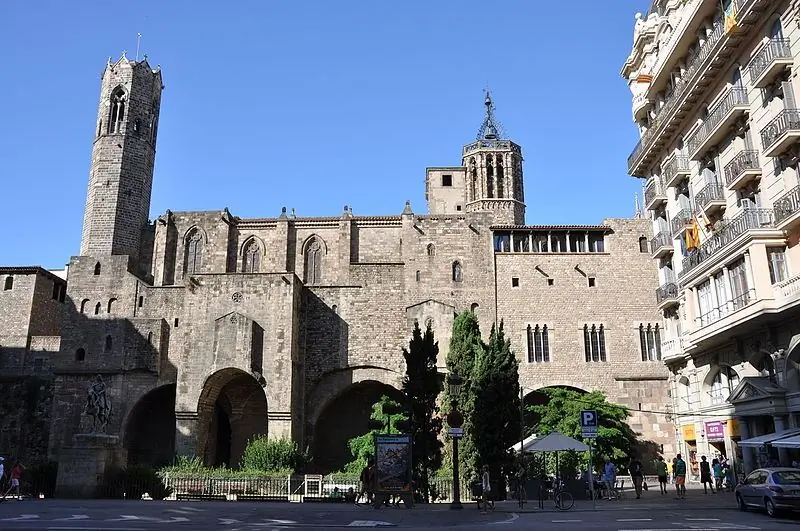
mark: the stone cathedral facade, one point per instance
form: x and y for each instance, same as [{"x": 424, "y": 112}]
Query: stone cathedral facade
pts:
[{"x": 209, "y": 329}]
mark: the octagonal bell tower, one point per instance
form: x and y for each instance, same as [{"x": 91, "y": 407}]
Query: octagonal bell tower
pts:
[{"x": 494, "y": 173}]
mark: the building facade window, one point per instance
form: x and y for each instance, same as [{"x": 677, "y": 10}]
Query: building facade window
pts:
[
  {"x": 252, "y": 257},
  {"x": 457, "y": 273},
  {"x": 111, "y": 304},
  {"x": 723, "y": 383},
  {"x": 417, "y": 275},
  {"x": 740, "y": 292},
  {"x": 431, "y": 250},
  {"x": 8, "y": 285},
  {"x": 313, "y": 262},
  {"x": 97, "y": 268},
  {"x": 644, "y": 246},
  {"x": 117, "y": 114},
  {"x": 776, "y": 257},
  {"x": 705, "y": 303},
  {"x": 194, "y": 252},
  {"x": 594, "y": 343},
  {"x": 97, "y": 308},
  {"x": 650, "y": 342},
  {"x": 84, "y": 302},
  {"x": 80, "y": 354},
  {"x": 538, "y": 344}
]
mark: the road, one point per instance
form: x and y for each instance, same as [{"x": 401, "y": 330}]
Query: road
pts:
[{"x": 113, "y": 515}]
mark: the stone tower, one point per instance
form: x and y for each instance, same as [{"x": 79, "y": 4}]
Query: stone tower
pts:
[
  {"x": 121, "y": 173},
  {"x": 494, "y": 173}
]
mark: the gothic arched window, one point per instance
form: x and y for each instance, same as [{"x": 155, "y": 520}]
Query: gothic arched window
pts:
[
  {"x": 500, "y": 177},
  {"x": 111, "y": 304},
  {"x": 473, "y": 179},
  {"x": 313, "y": 259},
  {"x": 84, "y": 302},
  {"x": 194, "y": 252},
  {"x": 457, "y": 271},
  {"x": 117, "y": 114},
  {"x": 644, "y": 246},
  {"x": 97, "y": 268},
  {"x": 594, "y": 343},
  {"x": 97, "y": 308},
  {"x": 489, "y": 176},
  {"x": 252, "y": 257},
  {"x": 431, "y": 250}
]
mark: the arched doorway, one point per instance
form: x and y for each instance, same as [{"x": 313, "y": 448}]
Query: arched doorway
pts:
[
  {"x": 342, "y": 419},
  {"x": 539, "y": 397},
  {"x": 150, "y": 428},
  {"x": 232, "y": 410}
]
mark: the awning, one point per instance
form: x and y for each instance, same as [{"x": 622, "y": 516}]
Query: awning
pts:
[
  {"x": 788, "y": 442},
  {"x": 770, "y": 438},
  {"x": 552, "y": 442}
]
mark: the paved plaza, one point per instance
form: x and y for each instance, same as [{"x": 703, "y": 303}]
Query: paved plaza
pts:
[{"x": 651, "y": 513}]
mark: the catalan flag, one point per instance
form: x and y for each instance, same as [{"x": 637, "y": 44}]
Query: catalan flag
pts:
[
  {"x": 692, "y": 235},
  {"x": 730, "y": 16}
]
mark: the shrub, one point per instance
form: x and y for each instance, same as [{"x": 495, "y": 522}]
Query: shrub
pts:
[{"x": 274, "y": 455}]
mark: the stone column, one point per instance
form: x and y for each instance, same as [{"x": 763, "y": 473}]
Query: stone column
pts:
[
  {"x": 569, "y": 245},
  {"x": 549, "y": 242},
  {"x": 748, "y": 269},
  {"x": 748, "y": 459},
  {"x": 783, "y": 453},
  {"x": 186, "y": 433},
  {"x": 586, "y": 242},
  {"x": 714, "y": 298}
]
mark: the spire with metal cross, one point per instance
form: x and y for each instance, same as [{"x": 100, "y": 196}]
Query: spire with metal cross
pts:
[{"x": 490, "y": 128}]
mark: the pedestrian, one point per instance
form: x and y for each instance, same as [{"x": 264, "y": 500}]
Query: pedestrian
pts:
[
  {"x": 716, "y": 469},
  {"x": 679, "y": 471},
  {"x": 661, "y": 470},
  {"x": 16, "y": 475},
  {"x": 637, "y": 475},
  {"x": 486, "y": 490},
  {"x": 609, "y": 477},
  {"x": 705, "y": 475}
]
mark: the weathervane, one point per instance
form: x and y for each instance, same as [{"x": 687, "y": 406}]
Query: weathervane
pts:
[{"x": 490, "y": 128}]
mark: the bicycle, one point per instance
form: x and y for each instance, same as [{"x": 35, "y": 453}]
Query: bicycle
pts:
[{"x": 562, "y": 500}]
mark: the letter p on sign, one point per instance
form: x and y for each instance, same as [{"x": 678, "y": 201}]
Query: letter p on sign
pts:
[{"x": 589, "y": 423}]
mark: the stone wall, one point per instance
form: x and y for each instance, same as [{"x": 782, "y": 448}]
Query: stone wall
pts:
[{"x": 25, "y": 409}]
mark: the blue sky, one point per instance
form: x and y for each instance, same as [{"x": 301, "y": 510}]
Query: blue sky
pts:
[{"x": 313, "y": 105}]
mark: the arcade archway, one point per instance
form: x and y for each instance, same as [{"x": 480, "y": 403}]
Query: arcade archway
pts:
[
  {"x": 150, "y": 428},
  {"x": 540, "y": 397},
  {"x": 343, "y": 418},
  {"x": 232, "y": 410}
]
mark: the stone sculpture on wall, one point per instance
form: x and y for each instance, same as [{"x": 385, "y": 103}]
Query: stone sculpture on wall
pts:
[{"x": 98, "y": 405}]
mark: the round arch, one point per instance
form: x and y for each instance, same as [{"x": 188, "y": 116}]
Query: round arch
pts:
[
  {"x": 535, "y": 397},
  {"x": 330, "y": 435},
  {"x": 232, "y": 409},
  {"x": 149, "y": 428}
]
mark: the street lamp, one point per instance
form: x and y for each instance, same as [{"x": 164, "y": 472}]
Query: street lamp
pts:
[{"x": 455, "y": 420}]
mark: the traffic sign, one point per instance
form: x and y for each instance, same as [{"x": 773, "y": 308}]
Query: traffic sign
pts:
[
  {"x": 589, "y": 423},
  {"x": 456, "y": 433}
]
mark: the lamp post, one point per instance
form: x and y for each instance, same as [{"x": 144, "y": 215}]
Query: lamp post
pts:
[{"x": 455, "y": 420}]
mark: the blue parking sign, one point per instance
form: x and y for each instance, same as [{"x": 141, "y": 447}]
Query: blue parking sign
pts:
[{"x": 589, "y": 423}]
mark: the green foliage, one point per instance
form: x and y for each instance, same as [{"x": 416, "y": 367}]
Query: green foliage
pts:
[
  {"x": 421, "y": 387},
  {"x": 562, "y": 413},
  {"x": 362, "y": 448},
  {"x": 193, "y": 467},
  {"x": 495, "y": 404},
  {"x": 465, "y": 347},
  {"x": 263, "y": 454}
]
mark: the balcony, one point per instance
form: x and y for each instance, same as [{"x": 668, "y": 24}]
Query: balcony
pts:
[
  {"x": 781, "y": 132},
  {"x": 661, "y": 245},
  {"x": 667, "y": 295},
  {"x": 787, "y": 209},
  {"x": 702, "y": 70},
  {"x": 640, "y": 106},
  {"x": 654, "y": 195},
  {"x": 742, "y": 169},
  {"x": 730, "y": 237},
  {"x": 676, "y": 170},
  {"x": 671, "y": 348},
  {"x": 678, "y": 223},
  {"x": 787, "y": 290},
  {"x": 769, "y": 61},
  {"x": 733, "y": 105},
  {"x": 710, "y": 199}
]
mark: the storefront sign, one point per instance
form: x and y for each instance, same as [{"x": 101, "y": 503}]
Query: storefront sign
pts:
[
  {"x": 688, "y": 432},
  {"x": 715, "y": 430}
]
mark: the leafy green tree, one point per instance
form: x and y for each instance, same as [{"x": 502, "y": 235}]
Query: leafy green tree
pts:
[
  {"x": 561, "y": 413},
  {"x": 496, "y": 404},
  {"x": 263, "y": 454},
  {"x": 465, "y": 347},
  {"x": 362, "y": 448},
  {"x": 421, "y": 387}
]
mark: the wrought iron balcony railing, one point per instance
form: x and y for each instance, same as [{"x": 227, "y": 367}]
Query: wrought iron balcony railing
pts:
[
  {"x": 774, "y": 50},
  {"x": 755, "y": 218},
  {"x": 667, "y": 292},
  {"x": 660, "y": 240},
  {"x": 678, "y": 223},
  {"x": 736, "y": 96},
  {"x": 709, "y": 193},
  {"x": 787, "y": 204},
  {"x": 678, "y": 164},
  {"x": 743, "y": 161},
  {"x": 784, "y": 121},
  {"x": 654, "y": 190}
]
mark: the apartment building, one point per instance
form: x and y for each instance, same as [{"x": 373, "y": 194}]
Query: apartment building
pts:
[{"x": 715, "y": 98}]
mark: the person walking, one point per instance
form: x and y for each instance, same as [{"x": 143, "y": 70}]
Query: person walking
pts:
[
  {"x": 679, "y": 471},
  {"x": 609, "y": 477},
  {"x": 15, "y": 475},
  {"x": 716, "y": 470},
  {"x": 661, "y": 471},
  {"x": 486, "y": 490},
  {"x": 637, "y": 475},
  {"x": 705, "y": 475}
]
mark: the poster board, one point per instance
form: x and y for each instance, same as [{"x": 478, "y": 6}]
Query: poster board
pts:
[{"x": 393, "y": 468}]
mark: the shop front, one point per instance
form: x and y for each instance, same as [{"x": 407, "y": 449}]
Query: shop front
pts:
[{"x": 689, "y": 436}]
